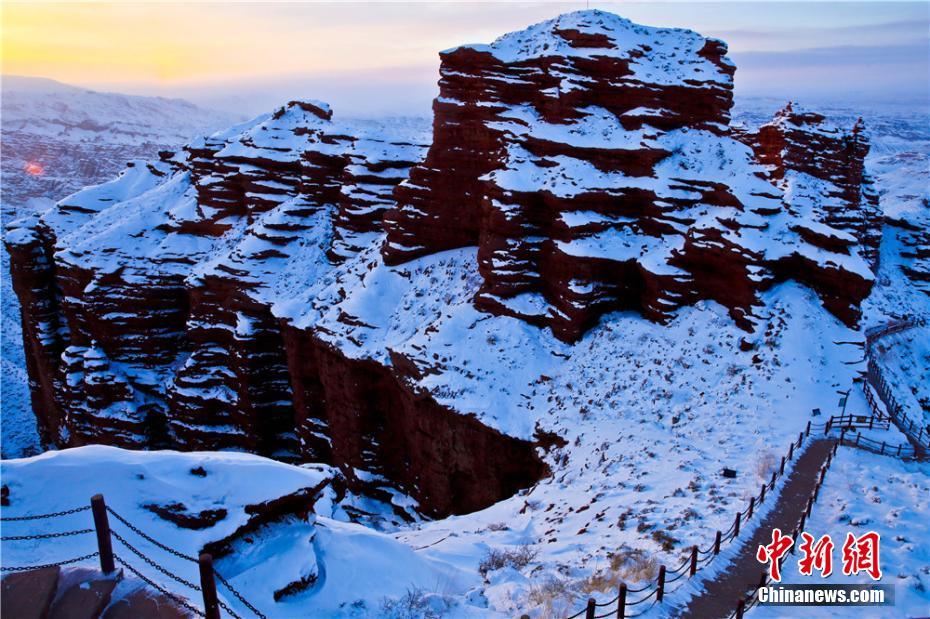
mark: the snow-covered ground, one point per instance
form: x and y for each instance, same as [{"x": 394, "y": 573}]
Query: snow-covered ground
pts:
[
  {"x": 637, "y": 484},
  {"x": 352, "y": 569}
]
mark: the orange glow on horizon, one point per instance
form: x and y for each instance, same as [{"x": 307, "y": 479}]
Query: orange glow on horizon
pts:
[{"x": 34, "y": 169}]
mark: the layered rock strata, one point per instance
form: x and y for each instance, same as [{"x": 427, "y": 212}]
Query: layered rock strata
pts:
[
  {"x": 293, "y": 286},
  {"x": 593, "y": 165}
]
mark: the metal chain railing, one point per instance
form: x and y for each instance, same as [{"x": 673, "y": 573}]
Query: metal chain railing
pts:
[
  {"x": 152, "y": 563},
  {"x": 27, "y": 568},
  {"x": 149, "y": 539},
  {"x": 44, "y": 516},
  {"x": 108, "y": 559},
  {"x": 176, "y": 598},
  {"x": 19, "y": 538},
  {"x": 239, "y": 597}
]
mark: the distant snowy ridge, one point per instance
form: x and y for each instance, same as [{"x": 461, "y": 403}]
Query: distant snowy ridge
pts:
[{"x": 44, "y": 107}]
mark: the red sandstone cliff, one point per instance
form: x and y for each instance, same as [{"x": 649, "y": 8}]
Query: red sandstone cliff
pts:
[
  {"x": 590, "y": 159},
  {"x": 290, "y": 286}
]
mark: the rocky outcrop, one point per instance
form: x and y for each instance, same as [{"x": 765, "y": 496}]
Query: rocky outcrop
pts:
[
  {"x": 292, "y": 286},
  {"x": 798, "y": 146},
  {"x": 591, "y": 161}
]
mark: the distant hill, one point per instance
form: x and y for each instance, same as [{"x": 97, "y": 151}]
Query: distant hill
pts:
[{"x": 58, "y": 138}]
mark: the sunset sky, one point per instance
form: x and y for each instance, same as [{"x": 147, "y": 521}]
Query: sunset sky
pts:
[{"x": 368, "y": 58}]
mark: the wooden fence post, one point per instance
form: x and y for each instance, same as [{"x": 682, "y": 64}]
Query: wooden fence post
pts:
[
  {"x": 810, "y": 506},
  {"x": 621, "y": 602},
  {"x": 589, "y": 611},
  {"x": 740, "y": 608},
  {"x": 752, "y": 503},
  {"x": 717, "y": 543},
  {"x": 211, "y": 607},
  {"x": 661, "y": 589},
  {"x": 762, "y": 494},
  {"x": 882, "y": 452},
  {"x": 102, "y": 525},
  {"x": 807, "y": 430},
  {"x": 736, "y": 524},
  {"x": 781, "y": 469},
  {"x": 694, "y": 554}
]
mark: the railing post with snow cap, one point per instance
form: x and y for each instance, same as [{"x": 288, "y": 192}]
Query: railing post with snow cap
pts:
[
  {"x": 211, "y": 607},
  {"x": 102, "y": 525},
  {"x": 589, "y": 611},
  {"x": 660, "y": 591},
  {"x": 694, "y": 555},
  {"x": 621, "y": 601}
]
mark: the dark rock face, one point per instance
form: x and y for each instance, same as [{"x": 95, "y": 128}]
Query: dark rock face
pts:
[
  {"x": 372, "y": 421},
  {"x": 196, "y": 302}
]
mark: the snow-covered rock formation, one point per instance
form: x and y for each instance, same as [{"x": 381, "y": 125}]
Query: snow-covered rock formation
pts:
[
  {"x": 593, "y": 165},
  {"x": 301, "y": 289}
]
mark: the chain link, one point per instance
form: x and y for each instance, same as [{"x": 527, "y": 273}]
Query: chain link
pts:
[
  {"x": 167, "y": 549},
  {"x": 142, "y": 556},
  {"x": 238, "y": 596},
  {"x": 43, "y": 516},
  {"x": 228, "y": 610},
  {"x": 26, "y": 568},
  {"x": 17, "y": 538},
  {"x": 178, "y": 599}
]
